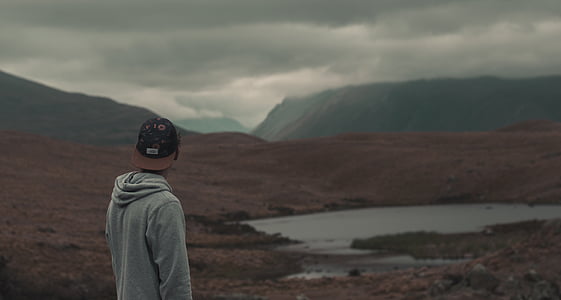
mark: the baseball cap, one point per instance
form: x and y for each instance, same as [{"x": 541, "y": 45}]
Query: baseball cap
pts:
[{"x": 157, "y": 145}]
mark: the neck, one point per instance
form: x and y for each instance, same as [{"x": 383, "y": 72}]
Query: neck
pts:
[{"x": 163, "y": 173}]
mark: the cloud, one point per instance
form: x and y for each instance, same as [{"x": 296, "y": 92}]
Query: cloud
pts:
[
  {"x": 147, "y": 16},
  {"x": 239, "y": 58},
  {"x": 249, "y": 99}
]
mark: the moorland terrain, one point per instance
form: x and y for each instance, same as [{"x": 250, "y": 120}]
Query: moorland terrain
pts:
[{"x": 55, "y": 194}]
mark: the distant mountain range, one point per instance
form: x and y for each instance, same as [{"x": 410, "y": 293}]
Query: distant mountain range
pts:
[
  {"x": 476, "y": 104},
  {"x": 36, "y": 108},
  {"x": 207, "y": 125}
]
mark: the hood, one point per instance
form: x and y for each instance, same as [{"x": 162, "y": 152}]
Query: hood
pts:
[{"x": 136, "y": 185}]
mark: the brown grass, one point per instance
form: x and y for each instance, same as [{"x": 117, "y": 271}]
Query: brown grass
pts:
[{"x": 54, "y": 194}]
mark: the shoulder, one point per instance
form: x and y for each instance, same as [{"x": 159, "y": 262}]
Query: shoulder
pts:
[
  {"x": 165, "y": 197},
  {"x": 164, "y": 201}
]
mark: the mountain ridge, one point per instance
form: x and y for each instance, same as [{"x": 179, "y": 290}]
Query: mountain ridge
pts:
[
  {"x": 208, "y": 125},
  {"x": 444, "y": 104},
  {"x": 37, "y": 108}
]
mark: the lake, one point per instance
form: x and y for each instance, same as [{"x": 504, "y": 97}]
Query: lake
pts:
[{"x": 332, "y": 232}]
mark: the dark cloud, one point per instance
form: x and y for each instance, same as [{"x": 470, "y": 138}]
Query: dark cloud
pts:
[
  {"x": 146, "y": 15},
  {"x": 239, "y": 58},
  {"x": 150, "y": 16}
]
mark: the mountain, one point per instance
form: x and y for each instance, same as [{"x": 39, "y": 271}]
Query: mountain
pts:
[
  {"x": 533, "y": 126},
  {"x": 475, "y": 104},
  {"x": 221, "y": 138},
  {"x": 208, "y": 125},
  {"x": 32, "y": 107}
]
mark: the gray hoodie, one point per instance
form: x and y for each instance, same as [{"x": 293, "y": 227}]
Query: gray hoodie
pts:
[{"x": 145, "y": 230}]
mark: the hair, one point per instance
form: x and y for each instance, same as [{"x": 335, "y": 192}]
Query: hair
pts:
[{"x": 152, "y": 171}]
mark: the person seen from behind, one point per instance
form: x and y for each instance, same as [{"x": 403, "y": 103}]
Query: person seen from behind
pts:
[{"x": 145, "y": 225}]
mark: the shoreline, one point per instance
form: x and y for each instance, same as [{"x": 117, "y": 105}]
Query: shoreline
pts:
[
  {"x": 317, "y": 264},
  {"x": 298, "y": 213}
]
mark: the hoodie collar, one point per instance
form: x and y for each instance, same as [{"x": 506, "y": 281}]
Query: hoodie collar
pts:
[{"x": 132, "y": 186}]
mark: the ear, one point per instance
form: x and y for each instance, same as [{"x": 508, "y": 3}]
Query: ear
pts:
[{"x": 176, "y": 154}]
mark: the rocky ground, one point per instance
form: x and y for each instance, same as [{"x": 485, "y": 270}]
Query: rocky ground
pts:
[
  {"x": 528, "y": 270},
  {"x": 55, "y": 194}
]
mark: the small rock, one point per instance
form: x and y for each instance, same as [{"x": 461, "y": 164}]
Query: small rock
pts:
[
  {"x": 456, "y": 278},
  {"x": 554, "y": 225},
  {"x": 488, "y": 231},
  {"x": 532, "y": 276},
  {"x": 440, "y": 286},
  {"x": 479, "y": 278},
  {"x": 302, "y": 297},
  {"x": 238, "y": 297},
  {"x": 354, "y": 272},
  {"x": 509, "y": 287},
  {"x": 421, "y": 272},
  {"x": 47, "y": 229}
]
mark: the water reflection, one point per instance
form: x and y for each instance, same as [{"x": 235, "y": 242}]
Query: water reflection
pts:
[{"x": 323, "y": 232}]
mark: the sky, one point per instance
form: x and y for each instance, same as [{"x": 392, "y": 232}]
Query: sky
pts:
[{"x": 239, "y": 58}]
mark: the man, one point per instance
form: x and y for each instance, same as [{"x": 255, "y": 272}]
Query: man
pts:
[{"x": 145, "y": 226}]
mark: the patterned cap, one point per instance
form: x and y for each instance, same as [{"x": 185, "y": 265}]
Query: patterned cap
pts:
[{"x": 156, "y": 146}]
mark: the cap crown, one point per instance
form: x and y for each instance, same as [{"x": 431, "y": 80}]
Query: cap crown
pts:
[{"x": 157, "y": 138}]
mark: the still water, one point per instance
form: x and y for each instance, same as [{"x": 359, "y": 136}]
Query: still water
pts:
[{"x": 332, "y": 232}]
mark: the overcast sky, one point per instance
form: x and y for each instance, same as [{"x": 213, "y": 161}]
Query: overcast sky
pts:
[{"x": 238, "y": 58}]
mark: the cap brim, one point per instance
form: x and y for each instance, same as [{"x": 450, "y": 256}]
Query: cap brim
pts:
[{"x": 153, "y": 164}]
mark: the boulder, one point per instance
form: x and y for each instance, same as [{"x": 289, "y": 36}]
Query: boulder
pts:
[
  {"x": 544, "y": 290},
  {"x": 479, "y": 278}
]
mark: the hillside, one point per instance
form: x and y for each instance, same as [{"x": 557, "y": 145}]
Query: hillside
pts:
[
  {"x": 532, "y": 126},
  {"x": 54, "y": 199},
  {"x": 222, "y": 138},
  {"x": 208, "y": 125},
  {"x": 453, "y": 105},
  {"x": 35, "y": 108}
]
